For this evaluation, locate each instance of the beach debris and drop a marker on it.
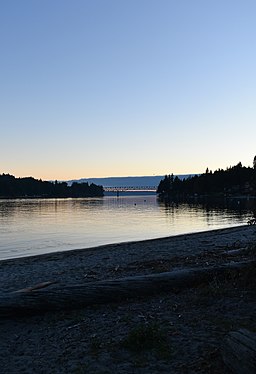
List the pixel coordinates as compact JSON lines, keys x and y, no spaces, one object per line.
{"x":142,"y":316}
{"x":73,"y":326}
{"x":239,"y":351}
{"x":90,"y":276}
{"x":252,"y":221}
{"x":36,"y":300}
{"x":37,"y":286}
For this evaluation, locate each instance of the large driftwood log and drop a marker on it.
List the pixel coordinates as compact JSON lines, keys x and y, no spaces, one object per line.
{"x":239,"y":352}
{"x":56,"y":297}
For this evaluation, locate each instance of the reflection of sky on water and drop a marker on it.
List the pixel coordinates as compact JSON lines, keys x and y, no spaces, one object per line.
{"x":37,"y":226}
{"x":208,"y":214}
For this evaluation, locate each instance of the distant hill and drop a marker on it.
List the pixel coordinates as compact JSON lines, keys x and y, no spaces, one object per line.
{"x":144,"y":181}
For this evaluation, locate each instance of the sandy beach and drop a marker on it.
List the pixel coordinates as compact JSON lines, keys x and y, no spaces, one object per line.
{"x":189,"y":325}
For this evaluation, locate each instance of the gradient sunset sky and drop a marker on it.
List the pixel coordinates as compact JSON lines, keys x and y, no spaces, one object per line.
{"x":126,"y":87}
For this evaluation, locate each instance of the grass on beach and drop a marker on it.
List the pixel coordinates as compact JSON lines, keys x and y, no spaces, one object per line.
{"x":147,"y":336}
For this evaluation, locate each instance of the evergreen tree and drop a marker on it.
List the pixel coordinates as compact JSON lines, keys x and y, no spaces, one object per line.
{"x":234,"y":181}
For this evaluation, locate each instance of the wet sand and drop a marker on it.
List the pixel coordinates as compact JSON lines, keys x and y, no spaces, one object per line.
{"x":91,"y":340}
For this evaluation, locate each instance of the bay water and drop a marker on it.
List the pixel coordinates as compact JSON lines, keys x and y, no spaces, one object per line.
{"x":36,"y":226}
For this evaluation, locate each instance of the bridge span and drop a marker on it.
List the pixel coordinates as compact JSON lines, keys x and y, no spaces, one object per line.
{"x":131,"y":189}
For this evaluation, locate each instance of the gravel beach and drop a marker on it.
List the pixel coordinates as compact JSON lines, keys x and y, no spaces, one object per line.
{"x":175,"y":332}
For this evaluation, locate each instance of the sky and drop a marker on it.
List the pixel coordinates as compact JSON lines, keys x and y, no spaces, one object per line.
{"x":96,"y":88}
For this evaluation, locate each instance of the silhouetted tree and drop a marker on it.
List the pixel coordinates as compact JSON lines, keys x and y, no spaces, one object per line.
{"x":166,"y":186}
{"x":254,"y":163}
{"x":254,"y":176}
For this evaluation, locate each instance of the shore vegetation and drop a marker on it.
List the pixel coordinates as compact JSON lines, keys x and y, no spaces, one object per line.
{"x":11,"y":187}
{"x":236,"y":180}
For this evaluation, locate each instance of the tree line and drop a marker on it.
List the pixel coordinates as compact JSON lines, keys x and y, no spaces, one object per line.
{"x":237,"y":180}
{"x":12,"y":187}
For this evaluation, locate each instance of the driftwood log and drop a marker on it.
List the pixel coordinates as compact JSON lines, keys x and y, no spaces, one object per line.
{"x":38,"y":299}
{"x":239,"y":351}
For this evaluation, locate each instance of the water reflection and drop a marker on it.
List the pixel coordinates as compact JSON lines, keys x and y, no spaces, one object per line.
{"x":36,"y":226}
{"x":11,"y":207}
{"x":215,"y":210}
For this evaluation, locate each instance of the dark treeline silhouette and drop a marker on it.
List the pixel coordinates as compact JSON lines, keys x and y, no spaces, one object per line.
{"x":234,"y":181}
{"x":11,"y":187}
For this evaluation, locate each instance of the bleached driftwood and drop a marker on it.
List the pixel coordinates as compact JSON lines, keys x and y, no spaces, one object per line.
{"x":37,"y":299}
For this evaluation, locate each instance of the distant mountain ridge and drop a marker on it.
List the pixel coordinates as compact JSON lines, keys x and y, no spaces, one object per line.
{"x":144,"y":181}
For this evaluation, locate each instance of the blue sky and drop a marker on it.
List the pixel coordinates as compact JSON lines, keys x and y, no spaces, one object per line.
{"x":126,"y":87}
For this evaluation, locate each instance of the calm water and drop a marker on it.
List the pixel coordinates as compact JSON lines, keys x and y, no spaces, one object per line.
{"x":29,"y":227}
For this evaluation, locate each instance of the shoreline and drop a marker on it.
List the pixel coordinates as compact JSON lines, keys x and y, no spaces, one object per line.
{"x":191,"y":324}
{"x":122,"y":243}
{"x":102,"y":261}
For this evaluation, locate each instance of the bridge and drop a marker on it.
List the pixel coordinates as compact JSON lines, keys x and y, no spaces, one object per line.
{"x":131,"y":189}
